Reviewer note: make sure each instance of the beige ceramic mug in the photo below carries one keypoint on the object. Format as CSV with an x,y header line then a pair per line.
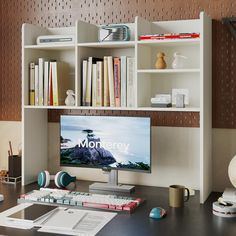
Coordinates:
x,y
176,195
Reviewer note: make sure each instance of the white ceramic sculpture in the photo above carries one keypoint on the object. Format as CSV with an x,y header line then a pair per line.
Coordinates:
x,y
70,100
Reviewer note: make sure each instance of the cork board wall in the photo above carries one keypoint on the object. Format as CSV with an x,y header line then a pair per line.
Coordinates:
x,y
56,13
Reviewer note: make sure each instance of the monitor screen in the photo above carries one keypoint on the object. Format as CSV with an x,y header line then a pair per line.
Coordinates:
x,y
106,142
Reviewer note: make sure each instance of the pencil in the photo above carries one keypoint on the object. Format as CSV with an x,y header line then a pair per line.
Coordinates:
x,y
11,152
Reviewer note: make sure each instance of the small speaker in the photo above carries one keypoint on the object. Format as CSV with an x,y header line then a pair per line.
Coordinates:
x,y
14,166
114,33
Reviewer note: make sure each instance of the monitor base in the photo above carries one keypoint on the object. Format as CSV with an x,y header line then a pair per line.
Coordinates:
x,y
112,188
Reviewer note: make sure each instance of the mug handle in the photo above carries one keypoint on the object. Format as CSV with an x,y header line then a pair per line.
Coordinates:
x,y
188,194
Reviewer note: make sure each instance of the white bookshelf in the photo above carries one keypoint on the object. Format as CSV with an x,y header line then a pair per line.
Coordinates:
x,y
148,81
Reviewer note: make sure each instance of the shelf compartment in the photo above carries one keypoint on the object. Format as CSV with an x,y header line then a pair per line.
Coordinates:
x,y
150,84
147,56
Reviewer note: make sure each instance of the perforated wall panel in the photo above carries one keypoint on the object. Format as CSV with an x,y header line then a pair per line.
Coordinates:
x,y
177,119
56,13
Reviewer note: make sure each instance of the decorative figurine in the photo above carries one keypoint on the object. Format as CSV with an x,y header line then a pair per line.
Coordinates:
x,y
179,61
70,100
160,62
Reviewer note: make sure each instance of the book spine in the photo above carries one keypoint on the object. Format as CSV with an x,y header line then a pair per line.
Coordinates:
x,y
111,81
94,84
88,100
32,84
36,76
99,92
117,81
54,84
85,74
46,75
130,83
50,96
123,80
41,71
106,97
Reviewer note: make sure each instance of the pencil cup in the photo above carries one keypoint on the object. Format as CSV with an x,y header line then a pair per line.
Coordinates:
x,y
14,166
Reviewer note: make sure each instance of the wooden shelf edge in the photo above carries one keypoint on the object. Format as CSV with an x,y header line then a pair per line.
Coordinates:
x,y
172,109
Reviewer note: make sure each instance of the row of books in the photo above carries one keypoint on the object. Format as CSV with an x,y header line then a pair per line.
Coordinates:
x,y
48,82
169,36
108,81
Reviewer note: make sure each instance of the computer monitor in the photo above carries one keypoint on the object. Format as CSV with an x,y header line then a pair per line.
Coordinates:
x,y
106,142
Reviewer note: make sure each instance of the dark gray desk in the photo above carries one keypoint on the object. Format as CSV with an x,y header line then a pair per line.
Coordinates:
x,y
194,219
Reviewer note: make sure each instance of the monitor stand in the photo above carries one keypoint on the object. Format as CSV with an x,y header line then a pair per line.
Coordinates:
x,y
112,184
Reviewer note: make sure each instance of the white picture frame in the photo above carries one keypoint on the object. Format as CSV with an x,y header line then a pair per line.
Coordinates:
x,y
185,92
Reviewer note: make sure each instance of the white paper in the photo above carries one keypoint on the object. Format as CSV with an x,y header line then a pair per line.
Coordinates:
x,y
65,218
89,223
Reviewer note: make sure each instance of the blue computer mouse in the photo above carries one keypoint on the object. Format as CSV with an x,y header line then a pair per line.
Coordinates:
x,y
157,213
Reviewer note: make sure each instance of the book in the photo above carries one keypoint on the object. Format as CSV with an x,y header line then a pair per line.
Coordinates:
x,y
111,81
60,82
46,83
41,73
50,95
55,39
88,97
84,74
106,97
123,80
161,105
32,84
36,82
94,84
99,86
117,80
161,98
130,83
169,36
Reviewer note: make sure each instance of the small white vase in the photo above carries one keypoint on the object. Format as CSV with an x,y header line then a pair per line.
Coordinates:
x,y
179,61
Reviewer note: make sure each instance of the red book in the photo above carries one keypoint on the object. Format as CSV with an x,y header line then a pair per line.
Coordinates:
x,y
117,80
169,36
